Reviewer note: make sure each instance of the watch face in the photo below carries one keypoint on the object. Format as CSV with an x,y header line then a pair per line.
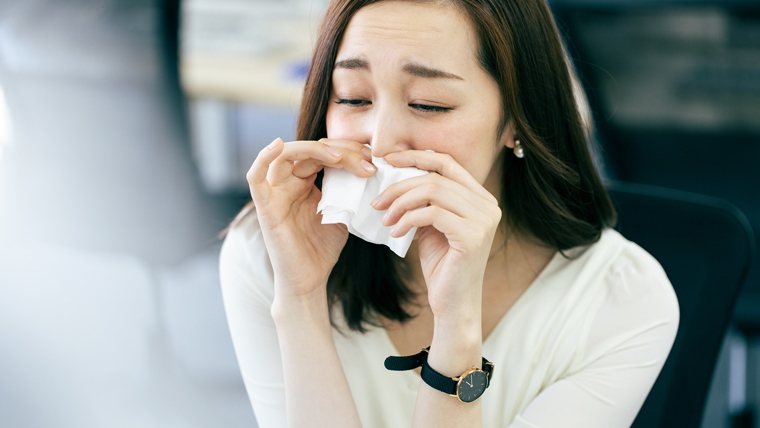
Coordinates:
x,y
472,386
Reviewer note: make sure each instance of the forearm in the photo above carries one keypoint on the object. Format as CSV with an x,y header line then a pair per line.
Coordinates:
x,y
316,389
457,346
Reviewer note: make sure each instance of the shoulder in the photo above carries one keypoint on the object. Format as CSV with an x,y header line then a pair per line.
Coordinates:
x,y
635,299
243,239
609,330
243,261
619,266
635,277
613,265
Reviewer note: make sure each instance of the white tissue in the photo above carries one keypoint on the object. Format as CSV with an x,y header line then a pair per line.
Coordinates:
x,y
346,199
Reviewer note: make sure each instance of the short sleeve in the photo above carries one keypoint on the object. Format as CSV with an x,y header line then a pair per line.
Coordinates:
x,y
247,288
627,344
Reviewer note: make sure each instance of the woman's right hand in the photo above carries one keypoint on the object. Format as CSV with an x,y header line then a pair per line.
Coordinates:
x,y
302,250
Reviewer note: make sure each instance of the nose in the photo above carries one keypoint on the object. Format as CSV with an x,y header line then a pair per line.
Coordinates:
x,y
388,133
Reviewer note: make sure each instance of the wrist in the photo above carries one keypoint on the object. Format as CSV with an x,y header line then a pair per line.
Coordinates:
x,y
465,336
466,319
456,346
463,303
288,308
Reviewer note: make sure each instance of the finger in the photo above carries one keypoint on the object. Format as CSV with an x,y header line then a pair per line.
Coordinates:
x,y
431,194
350,161
282,167
257,174
444,221
439,184
462,235
441,163
355,156
350,145
318,154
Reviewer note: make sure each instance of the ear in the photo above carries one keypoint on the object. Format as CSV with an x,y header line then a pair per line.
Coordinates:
x,y
508,136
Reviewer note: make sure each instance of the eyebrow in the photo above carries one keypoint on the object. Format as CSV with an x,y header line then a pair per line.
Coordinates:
x,y
353,64
410,68
423,71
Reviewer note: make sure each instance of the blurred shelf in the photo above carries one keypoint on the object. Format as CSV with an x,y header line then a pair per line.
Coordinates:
x,y
248,51
243,65
276,80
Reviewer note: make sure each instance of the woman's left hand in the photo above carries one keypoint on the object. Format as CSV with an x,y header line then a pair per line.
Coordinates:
x,y
457,220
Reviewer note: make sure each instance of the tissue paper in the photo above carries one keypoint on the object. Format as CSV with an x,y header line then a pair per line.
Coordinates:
x,y
346,199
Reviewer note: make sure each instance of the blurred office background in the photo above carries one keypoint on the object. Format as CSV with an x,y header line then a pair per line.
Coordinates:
x,y
126,129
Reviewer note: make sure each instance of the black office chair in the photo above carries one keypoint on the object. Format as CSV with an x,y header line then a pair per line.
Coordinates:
x,y
705,246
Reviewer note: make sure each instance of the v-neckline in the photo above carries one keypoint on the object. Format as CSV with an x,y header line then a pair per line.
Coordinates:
x,y
503,320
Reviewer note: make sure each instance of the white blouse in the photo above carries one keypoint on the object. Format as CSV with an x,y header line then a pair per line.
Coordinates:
x,y
581,348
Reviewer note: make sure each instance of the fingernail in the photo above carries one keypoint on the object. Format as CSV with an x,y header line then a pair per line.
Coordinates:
x,y
385,216
333,152
367,153
273,144
368,166
393,231
375,201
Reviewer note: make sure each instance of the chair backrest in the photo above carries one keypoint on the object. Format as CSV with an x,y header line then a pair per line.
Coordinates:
x,y
705,246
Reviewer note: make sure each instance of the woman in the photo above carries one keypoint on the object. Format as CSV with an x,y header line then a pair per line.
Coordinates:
x,y
514,259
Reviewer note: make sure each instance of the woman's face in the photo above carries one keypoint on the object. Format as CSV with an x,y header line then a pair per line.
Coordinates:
x,y
407,78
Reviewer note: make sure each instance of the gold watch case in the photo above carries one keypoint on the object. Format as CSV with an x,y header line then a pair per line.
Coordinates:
x,y
461,379
464,375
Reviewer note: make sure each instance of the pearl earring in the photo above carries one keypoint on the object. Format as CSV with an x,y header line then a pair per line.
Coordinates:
x,y
519,150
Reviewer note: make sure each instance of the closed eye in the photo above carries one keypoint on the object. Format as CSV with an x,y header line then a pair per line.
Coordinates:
x,y
353,103
429,109
424,108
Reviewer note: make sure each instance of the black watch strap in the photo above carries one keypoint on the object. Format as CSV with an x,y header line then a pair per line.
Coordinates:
x,y
410,362
429,375
438,381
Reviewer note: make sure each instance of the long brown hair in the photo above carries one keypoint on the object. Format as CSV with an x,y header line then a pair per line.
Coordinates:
x,y
554,194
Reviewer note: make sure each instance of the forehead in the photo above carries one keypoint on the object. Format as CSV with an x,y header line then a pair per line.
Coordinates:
x,y
438,32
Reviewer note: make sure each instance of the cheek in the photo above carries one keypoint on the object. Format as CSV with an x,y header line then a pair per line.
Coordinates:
x,y
331,123
442,138
466,141
341,126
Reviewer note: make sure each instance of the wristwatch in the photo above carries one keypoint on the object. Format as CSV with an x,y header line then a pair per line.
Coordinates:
x,y
468,387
